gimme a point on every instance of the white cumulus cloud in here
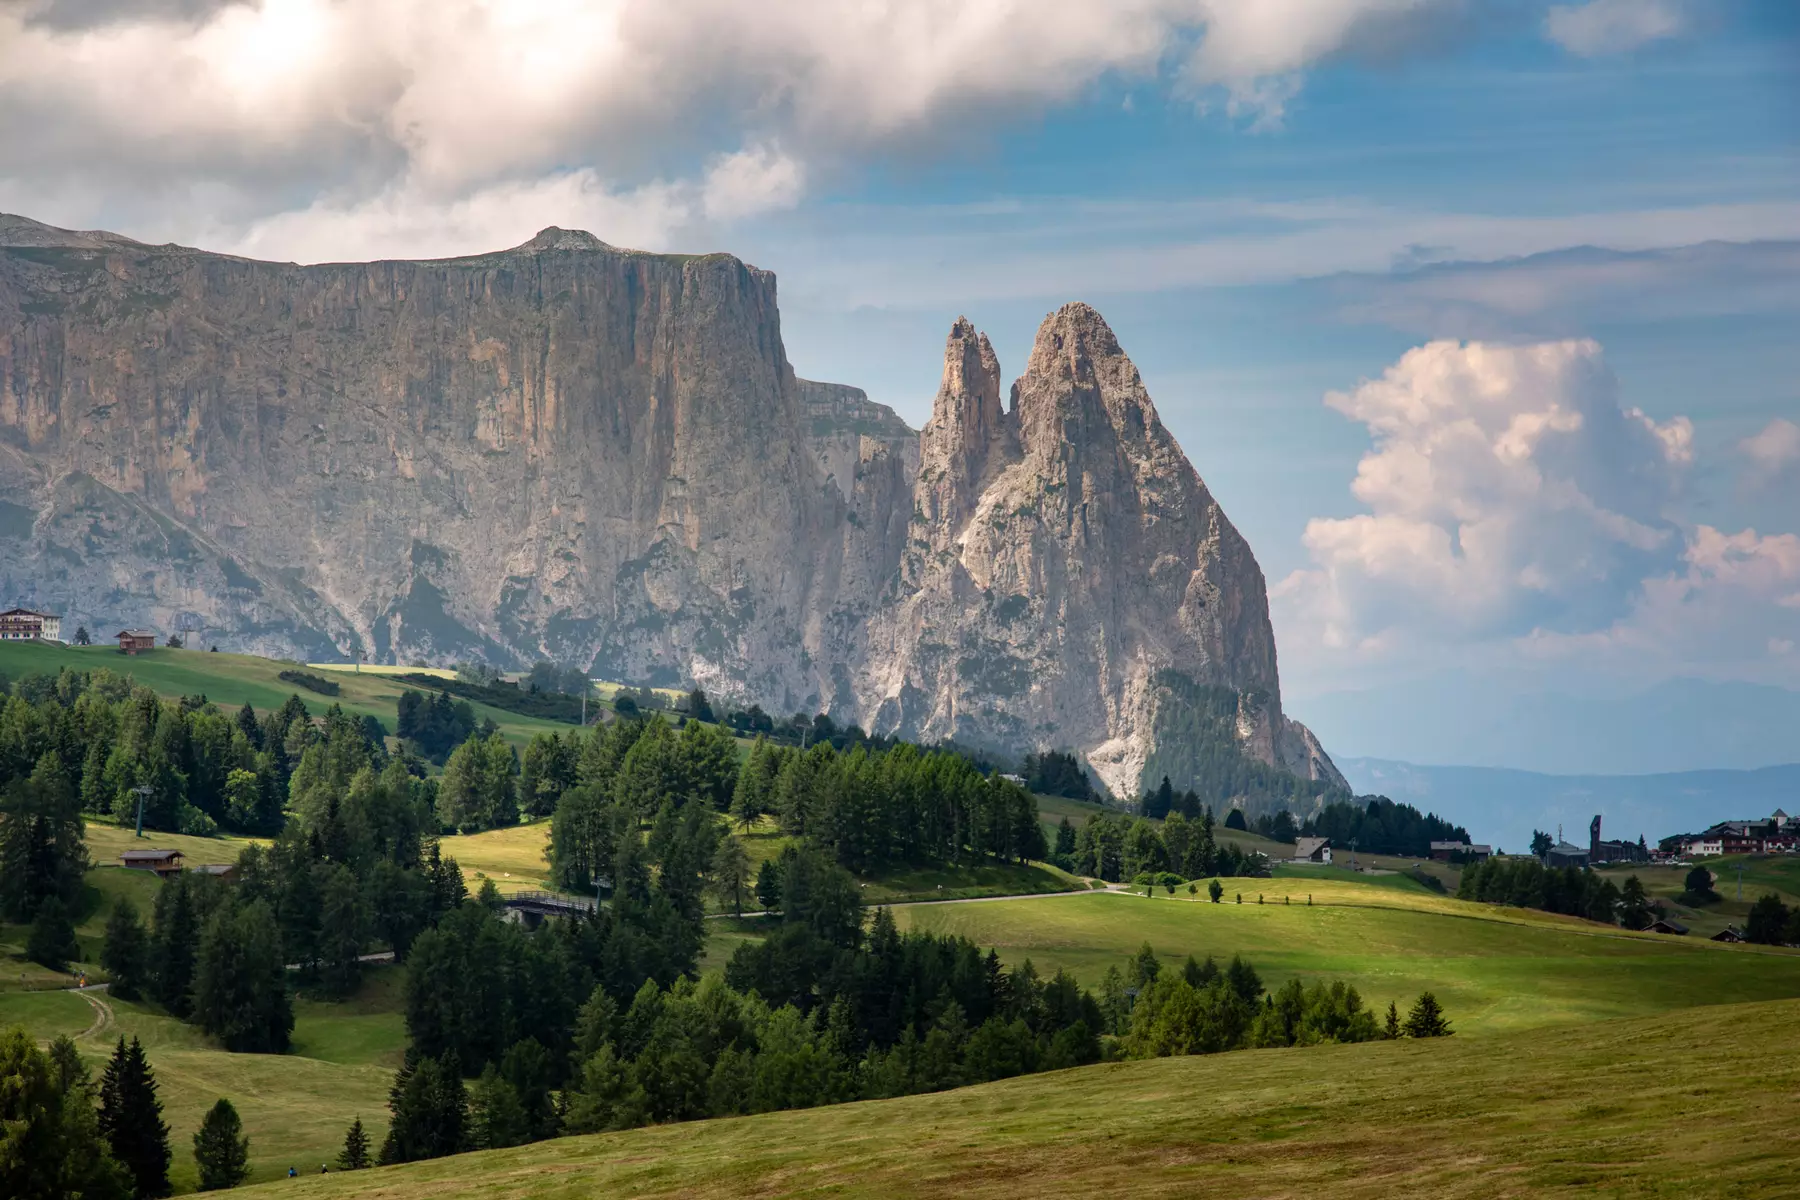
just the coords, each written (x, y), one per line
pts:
(1773, 451)
(1507, 490)
(1613, 26)
(1518, 514)
(299, 115)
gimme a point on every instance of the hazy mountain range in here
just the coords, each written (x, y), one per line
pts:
(1502, 807)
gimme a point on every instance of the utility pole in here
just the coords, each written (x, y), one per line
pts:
(1740, 871)
(143, 789)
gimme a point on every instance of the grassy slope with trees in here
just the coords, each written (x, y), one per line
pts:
(232, 680)
(1583, 1111)
(1495, 968)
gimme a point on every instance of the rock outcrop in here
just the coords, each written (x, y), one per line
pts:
(574, 451)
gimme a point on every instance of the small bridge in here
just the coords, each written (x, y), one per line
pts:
(533, 907)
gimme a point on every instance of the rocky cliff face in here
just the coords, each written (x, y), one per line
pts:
(573, 451)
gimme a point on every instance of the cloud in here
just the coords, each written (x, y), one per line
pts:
(1549, 294)
(1517, 520)
(1773, 452)
(407, 221)
(246, 111)
(1508, 491)
(752, 181)
(1613, 26)
(1730, 610)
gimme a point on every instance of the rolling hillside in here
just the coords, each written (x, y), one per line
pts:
(1675, 1105)
(232, 680)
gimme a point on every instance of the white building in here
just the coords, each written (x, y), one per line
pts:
(23, 625)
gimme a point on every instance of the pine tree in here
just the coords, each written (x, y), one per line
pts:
(52, 940)
(430, 1111)
(731, 873)
(496, 1118)
(1391, 1029)
(72, 1077)
(240, 986)
(42, 853)
(125, 954)
(1426, 1018)
(49, 1143)
(344, 927)
(356, 1148)
(220, 1148)
(131, 1120)
(176, 943)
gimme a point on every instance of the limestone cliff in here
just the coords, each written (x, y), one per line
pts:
(574, 451)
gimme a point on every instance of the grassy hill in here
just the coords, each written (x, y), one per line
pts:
(1495, 969)
(1507, 976)
(294, 1106)
(232, 680)
(1675, 1105)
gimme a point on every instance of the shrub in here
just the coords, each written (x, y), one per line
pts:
(311, 682)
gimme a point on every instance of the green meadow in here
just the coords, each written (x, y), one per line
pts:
(1672, 1105)
(294, 1106)
(233, 680)
(1495, 970)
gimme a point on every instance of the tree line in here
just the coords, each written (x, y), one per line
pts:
(1116, 846)
(1380, 826)
(1572, 891)
(871, 809)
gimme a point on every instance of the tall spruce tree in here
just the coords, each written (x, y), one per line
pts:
(42, 853)
(221, 1150)
(177, 942)
(240, 986)
(131, 1120)
(1426, 1018)
(52, 939)
(355, 1156)
(430, 1111)
(343, 928)
(125, 954)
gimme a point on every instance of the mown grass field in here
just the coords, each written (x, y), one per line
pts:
(1676, 1105)
(294, 1106)
(1495, 970)
(232, 680)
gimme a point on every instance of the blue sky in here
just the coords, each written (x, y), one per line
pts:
(1544, 260)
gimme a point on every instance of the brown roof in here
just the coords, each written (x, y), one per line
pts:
(26, 612)
(150, 855)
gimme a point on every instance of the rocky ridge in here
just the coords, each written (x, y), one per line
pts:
(574, 451)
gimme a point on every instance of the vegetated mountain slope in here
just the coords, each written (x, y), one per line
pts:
(1503, 807)
(603, 456)
(1582, 1111)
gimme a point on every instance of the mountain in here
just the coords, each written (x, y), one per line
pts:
(1502, 806)
(602, 456)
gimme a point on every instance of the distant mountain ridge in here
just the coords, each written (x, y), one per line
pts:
(573, 451)
(1456, 717)
(1503, 806)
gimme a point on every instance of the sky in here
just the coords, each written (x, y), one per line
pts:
(1480, 317)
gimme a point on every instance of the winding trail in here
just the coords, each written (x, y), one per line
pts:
(103, 1013)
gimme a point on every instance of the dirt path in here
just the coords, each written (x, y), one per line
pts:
(103, 1013)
